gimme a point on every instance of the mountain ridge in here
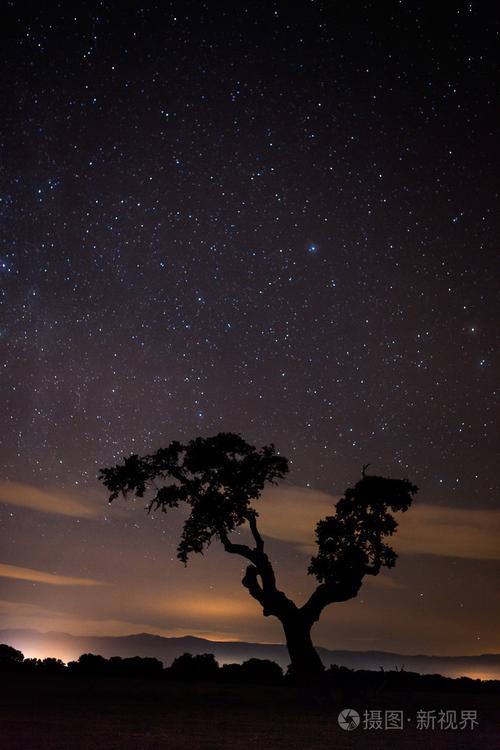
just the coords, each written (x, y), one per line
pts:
(166, 648)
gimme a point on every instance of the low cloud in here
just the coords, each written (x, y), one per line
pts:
(47, 501)
(40, 576)
(209, 608)
(454, 532)
(46, 619)
(291, 515)
(29, 617)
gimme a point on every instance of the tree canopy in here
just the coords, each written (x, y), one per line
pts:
(219, 477)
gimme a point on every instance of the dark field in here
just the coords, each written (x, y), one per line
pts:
(141, 715)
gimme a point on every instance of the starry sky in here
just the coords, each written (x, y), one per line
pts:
(278, 219)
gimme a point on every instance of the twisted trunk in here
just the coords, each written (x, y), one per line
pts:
(306, 666)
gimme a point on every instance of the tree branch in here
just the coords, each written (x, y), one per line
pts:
(273, 601)
(328, 593)
(235, 549)
(250, 582)
(251, 517)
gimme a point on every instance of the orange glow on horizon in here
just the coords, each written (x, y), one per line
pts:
(476, 675)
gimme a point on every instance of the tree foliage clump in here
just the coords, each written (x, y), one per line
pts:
(351, 544)
(217, 477)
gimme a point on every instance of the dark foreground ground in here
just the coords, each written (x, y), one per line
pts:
(142, 715)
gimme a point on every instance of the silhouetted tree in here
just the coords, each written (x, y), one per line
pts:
(89, 664)
(94, 665)
(252, 671)
(219, 476)
(51, 665)
(200, 667)
(10, 658)
(139, 666)
(261, 671)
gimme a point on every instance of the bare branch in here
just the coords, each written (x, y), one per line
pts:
(273, 602)
(235, 549)
(251, 517)
(250, 582)
(328, 593)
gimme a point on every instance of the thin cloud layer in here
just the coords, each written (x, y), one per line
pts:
(14, 614)
(23, 615)
(454, 532)
(47, 501)
(40, 576)
(291, 515)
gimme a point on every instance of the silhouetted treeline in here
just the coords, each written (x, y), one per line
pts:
(134, 666)
(203, 668)
(185, 668)
(370, 682)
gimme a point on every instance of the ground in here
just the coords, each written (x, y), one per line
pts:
(148, 716)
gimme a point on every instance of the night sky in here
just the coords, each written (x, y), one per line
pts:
(278, 219)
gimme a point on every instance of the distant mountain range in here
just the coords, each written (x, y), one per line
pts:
(69, 647)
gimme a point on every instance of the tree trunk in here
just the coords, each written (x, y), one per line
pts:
(306, 666)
